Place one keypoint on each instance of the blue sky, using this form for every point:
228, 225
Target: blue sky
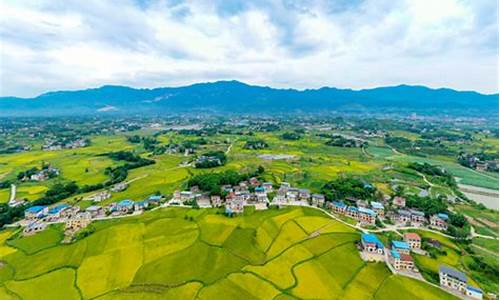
55, 45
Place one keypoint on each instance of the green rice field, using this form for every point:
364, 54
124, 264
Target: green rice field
176, 253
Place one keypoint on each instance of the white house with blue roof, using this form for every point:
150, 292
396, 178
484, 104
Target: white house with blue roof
401, 247
452, 279
36, 212
125, 205
372, 244
473, 292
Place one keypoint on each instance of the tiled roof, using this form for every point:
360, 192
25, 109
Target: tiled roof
412, 236
366, 211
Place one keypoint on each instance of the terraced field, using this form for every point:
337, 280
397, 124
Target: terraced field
176, 253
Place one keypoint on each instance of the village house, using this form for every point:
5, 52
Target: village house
402, 217
318, 200
399, 201
279, 199
473, 292
401, 247
452, 279
439, 221
373, 248
361, 203
366, 216
204, 201
339, 207
34, 227
154, 199
77, 222
304, 194
35, 212
433, 243
352, 211
417, 217
119, 187
141, 205
100, 196
378, 208
285, 186
186, 196
413, 240
55, 213
216, 201
268, 187
401, 261
234, 206
126, 205
70, 211
95, 211
254, 181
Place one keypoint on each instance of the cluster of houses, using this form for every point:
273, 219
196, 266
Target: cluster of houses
251, 192
39, 216
367, 213
453, 279
236, 198
42, 175
52, 145
475, 162
398, 255
287, 194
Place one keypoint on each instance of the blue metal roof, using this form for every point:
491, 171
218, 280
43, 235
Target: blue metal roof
154, 197
443, 216
352, 208
58, 208
453, 273
395, 254
339, 204
400, 245
126, 202
477, 290
371, 238
377, 205
366, 211
35, 209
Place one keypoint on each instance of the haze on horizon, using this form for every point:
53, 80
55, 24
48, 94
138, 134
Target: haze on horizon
356, 44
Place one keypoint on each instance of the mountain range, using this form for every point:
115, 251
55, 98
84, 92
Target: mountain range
234, 97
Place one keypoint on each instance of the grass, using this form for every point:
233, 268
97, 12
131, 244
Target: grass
398, 287
162, 255
58, 284
50, 237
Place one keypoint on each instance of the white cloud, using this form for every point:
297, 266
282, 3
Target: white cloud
79, 44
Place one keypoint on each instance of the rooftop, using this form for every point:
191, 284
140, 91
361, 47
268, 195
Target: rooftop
35, 209
377, 205
338, 204
453, 273
366, 211
400, 245
371, 238
442, 216
395, 254
474, 289
126, 202
412, 236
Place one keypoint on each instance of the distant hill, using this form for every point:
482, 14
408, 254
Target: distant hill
237, 97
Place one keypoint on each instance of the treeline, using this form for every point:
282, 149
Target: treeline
255, 145
346, 187
211, 159
292, 136
212, 182
340, 141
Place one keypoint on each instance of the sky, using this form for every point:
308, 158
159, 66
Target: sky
74, 44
